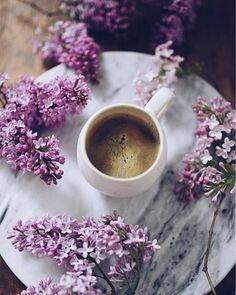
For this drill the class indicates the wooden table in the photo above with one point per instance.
(210, 44)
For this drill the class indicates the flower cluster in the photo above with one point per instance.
(161, 20)
(70, 283)
(44, 287)
(211, 167)
(84, 248)
(29, 106)
(177, 18)
(110, 16)
(163, 73)
(69, 43)
(26, 152)
(61, 97)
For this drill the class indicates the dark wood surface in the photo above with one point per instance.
(210, 44)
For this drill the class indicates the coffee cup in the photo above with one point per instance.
(122, 149)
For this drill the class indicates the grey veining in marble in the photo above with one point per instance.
(181, 229)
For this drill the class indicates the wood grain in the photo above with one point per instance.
(210, 44)
(18, 23)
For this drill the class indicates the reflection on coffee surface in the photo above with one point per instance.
(122, 146)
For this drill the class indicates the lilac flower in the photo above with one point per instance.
(216, 132)
(221, 152)
(231, 156)
(69, 284)
(112, 16)
(170, 27)
(184, 8)
(161, 21)
(45, 104)
(202, 143)
(122, 269)
(85, 250)
(212, 122)
(176, 18)
(31, 105)
(69, 43)
(82, 246)
(163, 73)
(22, 102)
(210, 168)
(205, 157)
(46, 287)
(219, 105)
(25, 152)
(61, 97)
(231, 119)
(228, 144)
(79, 283)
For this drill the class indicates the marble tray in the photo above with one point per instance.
(181, 229)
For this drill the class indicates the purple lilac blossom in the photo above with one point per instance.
(163, 73)
(80, 283)
(61, 97)
(171, 28)
(177, 17)
(69, 43)
(26, 152)
(30, 105)
(210, 168)
(46, 287)
(164, 20)
(111, 16)
(22, 102)
(70, 283)
(82, 246)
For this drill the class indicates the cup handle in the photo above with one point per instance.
(160, 101)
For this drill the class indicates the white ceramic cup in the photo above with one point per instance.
(126, 187)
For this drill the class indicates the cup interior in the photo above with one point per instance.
(116, 111)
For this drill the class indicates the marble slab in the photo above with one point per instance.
(181, 229)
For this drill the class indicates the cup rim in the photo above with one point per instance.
(82, 138)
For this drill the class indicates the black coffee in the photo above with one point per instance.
(122, 146)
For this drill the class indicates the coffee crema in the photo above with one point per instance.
(122, 146)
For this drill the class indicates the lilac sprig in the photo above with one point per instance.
(22, 99)
(45, 287)
(45, 104)
(211, 167)
(111, 16)
(163, 73)
(68, 42)
(84, 247)
(30, 106)
(161, 20)
(70, 283)
(61, 97)
(26, 152)
(176, 19)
